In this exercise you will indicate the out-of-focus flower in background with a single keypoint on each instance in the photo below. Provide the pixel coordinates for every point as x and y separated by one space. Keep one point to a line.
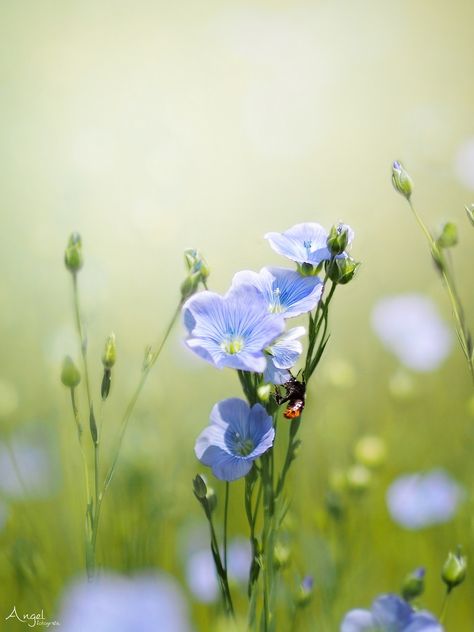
420 500
201 572
114 603
236 436
390 613
26 470
410 326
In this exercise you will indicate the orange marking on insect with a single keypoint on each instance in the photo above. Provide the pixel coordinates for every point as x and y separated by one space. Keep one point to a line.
294 409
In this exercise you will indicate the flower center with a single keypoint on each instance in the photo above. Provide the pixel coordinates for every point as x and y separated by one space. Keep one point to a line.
307 244
243 447
232 345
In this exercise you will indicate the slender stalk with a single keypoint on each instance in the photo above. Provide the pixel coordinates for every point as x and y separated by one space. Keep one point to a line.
131 406
82 339
456 304
444 607
226 512
75 411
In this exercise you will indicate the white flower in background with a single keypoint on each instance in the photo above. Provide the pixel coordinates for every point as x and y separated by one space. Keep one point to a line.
410 326
420 500
114 603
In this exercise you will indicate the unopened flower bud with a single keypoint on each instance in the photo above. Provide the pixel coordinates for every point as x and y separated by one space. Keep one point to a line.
110 352
401 180
195 263
342 271
358 478
93 427
264 392
307 269
211 499
305 592
70 375
73 254
370 451
334 504
413 584
449 236
337 239
199 487
470 213
454 569
281 556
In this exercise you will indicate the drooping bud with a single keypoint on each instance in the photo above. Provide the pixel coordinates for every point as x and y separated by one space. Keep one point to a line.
413 584
454 569
341 271
264 392
70 375
449 236
401 180
338 239
73 254
470 213
370 451
305 592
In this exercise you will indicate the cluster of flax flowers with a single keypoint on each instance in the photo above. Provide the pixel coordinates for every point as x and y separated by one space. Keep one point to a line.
246 330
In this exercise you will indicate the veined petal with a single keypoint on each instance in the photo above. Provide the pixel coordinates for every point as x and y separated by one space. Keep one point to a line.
287 349
301 243
392 613
293 293
423 622
272 375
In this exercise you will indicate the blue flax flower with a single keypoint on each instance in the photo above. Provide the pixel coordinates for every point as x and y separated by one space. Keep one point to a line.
231 330
305 243
286 291
390 613
282 355
236 436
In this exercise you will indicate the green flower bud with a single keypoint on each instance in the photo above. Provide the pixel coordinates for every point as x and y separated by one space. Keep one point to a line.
70 375
305 592
199 487
93 427
413 584
454 569
307 269
281 556
73 254
342 271
195 263
359 478
264 392
401 180
110 352
189 286
335 504
370 451
470 213
337 239
211 499
449 236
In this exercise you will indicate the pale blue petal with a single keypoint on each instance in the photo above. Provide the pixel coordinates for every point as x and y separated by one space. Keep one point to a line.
358 621
424 622
287 349
272 375
292 293
391 613
303 243
231 468
232 412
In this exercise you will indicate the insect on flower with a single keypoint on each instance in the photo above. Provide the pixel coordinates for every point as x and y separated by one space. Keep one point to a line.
295 394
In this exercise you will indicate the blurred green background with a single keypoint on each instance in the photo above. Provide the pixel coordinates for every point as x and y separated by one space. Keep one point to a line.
150 127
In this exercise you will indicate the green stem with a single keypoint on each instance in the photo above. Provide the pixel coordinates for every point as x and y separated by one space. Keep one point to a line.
226 512
444 607
75 411
82 340
131 406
